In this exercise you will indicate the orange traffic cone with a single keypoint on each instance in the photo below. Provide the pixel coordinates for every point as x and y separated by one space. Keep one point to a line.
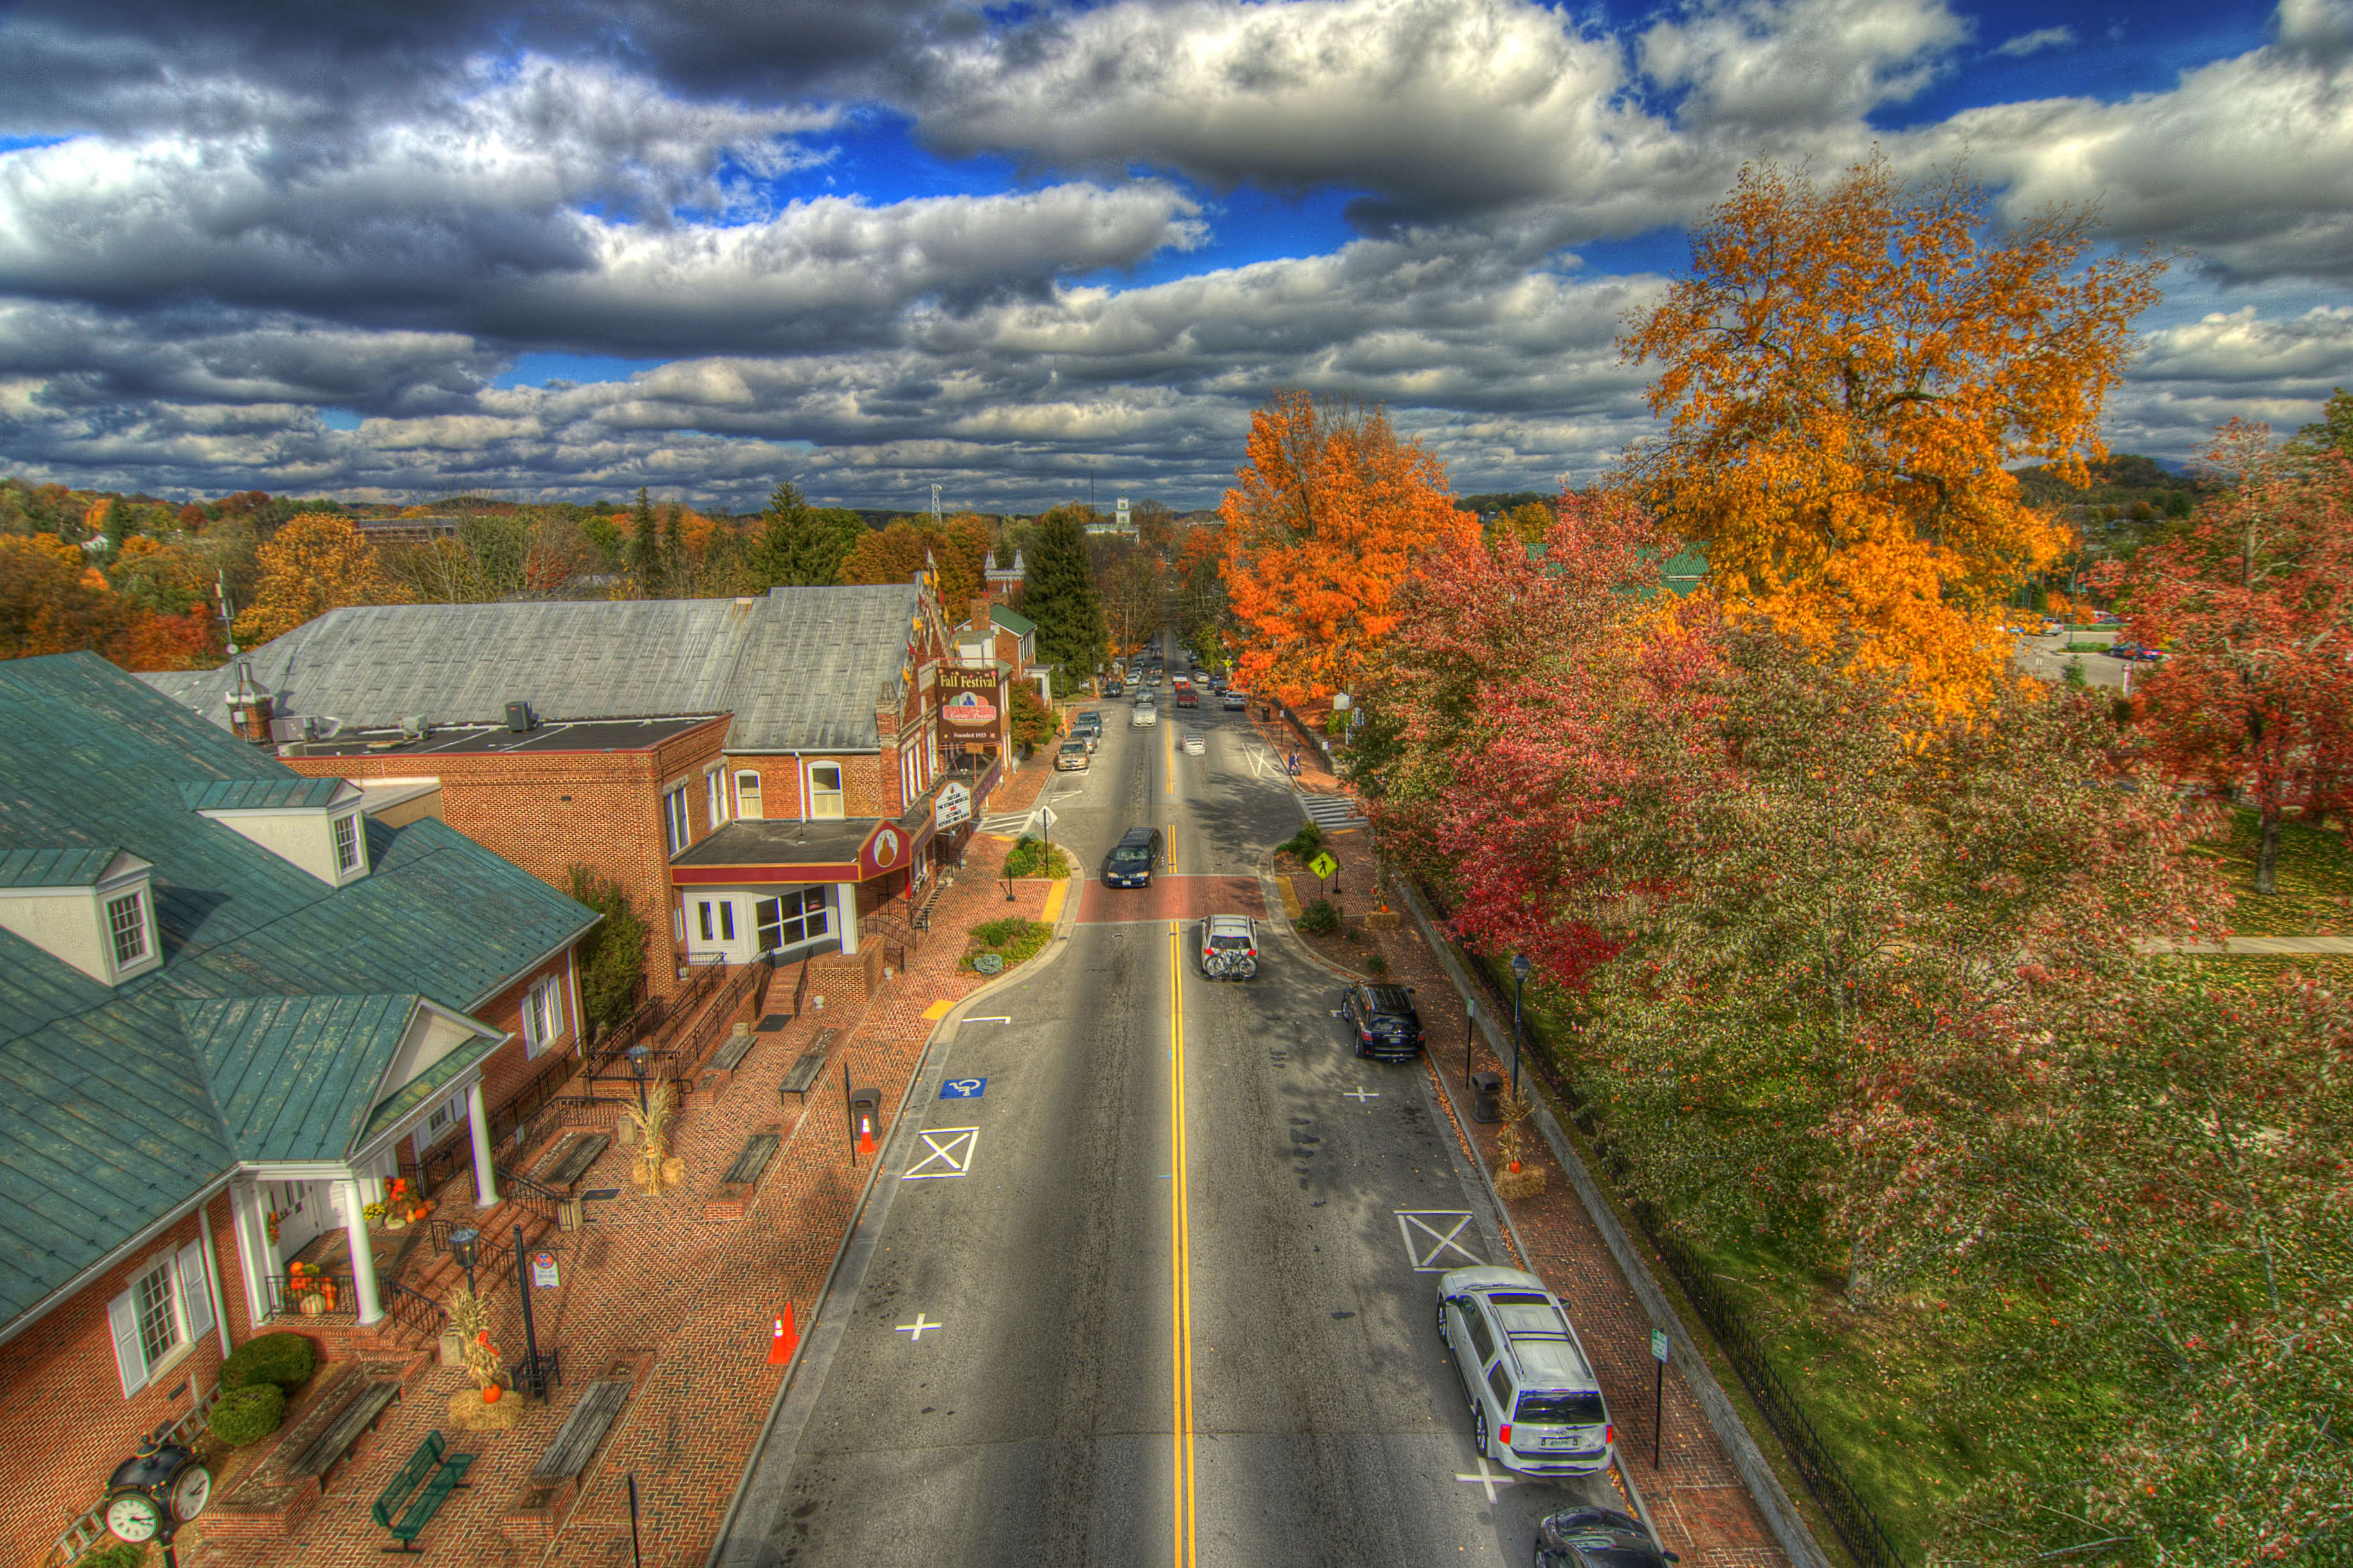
865 1136
787 1339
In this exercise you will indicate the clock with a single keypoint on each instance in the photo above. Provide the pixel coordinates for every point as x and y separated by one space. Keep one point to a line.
190 1490
133 1516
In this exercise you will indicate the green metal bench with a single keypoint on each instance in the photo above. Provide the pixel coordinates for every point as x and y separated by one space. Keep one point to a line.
432 1473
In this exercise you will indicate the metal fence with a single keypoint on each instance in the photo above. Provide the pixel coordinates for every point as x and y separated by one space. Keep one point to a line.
1859 1528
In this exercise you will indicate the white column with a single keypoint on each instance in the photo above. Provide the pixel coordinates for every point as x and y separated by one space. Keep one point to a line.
363 1288
252 1241
845 912
477 1122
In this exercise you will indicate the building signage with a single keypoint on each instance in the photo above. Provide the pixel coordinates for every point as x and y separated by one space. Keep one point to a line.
952 807
884 849
544 1276
969 710
969 681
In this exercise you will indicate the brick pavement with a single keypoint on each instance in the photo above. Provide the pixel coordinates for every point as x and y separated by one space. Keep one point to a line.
652 1276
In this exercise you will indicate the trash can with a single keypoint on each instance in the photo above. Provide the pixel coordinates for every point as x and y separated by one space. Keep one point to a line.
865 1114
1486 1097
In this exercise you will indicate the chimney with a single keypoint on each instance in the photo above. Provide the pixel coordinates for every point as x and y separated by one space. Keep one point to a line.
980 614
249 709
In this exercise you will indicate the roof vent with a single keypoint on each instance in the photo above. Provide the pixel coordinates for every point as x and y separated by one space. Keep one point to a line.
413 727
520 718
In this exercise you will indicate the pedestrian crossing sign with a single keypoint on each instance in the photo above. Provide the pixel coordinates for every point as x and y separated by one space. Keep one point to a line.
1323 866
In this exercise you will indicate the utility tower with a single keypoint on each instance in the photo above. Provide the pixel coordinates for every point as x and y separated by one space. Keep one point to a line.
935 506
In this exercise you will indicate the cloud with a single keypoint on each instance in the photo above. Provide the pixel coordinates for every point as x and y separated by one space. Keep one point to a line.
1780 64
2035 42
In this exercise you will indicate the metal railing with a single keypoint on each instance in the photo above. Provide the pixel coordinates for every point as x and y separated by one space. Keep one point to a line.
565 1110
290 1294
532 1196
426 1175
720 1016
412 1311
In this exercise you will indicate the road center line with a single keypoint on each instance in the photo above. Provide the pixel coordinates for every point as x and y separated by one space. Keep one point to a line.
1181 1245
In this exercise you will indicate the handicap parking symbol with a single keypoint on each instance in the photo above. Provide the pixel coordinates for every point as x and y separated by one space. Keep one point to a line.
964 1089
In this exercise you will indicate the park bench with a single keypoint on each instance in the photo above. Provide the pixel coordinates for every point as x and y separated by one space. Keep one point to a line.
713 1080
803 1077
575 1162
732 1198
582 1432
355 1421
431 1474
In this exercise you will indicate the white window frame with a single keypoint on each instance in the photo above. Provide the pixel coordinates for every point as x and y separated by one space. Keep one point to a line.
837 796
678 817
753 813
188 1314
714 787
142 929
723 929
346 831
542 1015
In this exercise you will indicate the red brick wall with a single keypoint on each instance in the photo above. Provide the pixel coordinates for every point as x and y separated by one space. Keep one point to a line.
509 1068
869 782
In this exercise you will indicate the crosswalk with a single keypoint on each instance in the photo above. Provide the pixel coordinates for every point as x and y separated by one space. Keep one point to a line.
1011 824
1333 813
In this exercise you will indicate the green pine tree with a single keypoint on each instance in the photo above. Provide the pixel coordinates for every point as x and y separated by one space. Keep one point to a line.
613 954
645 552
803 546
1059 596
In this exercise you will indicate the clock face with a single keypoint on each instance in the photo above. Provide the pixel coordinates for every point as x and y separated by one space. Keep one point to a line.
132 1517
190 1492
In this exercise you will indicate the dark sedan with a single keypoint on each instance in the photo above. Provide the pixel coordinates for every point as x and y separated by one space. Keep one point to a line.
1598 1538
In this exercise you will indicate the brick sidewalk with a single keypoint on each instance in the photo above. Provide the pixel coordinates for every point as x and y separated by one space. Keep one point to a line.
652 1277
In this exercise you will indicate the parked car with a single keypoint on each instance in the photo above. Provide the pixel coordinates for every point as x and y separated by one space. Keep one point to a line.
1229 947
1114 688
1144 714
1236 702
1383 1018
1073 757
1536 1405
1133 859
1194 743
1598 1538
1088 727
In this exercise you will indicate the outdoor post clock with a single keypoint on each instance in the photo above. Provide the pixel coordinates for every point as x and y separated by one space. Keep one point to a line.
160 1488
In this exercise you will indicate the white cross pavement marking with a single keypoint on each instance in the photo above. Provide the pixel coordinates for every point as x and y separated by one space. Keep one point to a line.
1487 1479
948 1153
1360 1096
1434 1243
914 1332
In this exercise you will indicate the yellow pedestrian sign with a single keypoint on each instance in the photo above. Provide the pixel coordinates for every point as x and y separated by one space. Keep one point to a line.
1322 865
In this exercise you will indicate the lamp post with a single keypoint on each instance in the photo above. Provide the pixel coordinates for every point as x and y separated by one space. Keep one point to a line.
461 1247
639 1056
1520 967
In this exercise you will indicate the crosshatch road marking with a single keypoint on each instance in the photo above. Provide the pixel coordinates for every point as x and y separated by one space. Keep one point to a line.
1488 1479
1429 1236
950 1154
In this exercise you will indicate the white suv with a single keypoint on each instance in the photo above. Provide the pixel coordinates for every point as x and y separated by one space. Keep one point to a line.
1141 715
1535 1406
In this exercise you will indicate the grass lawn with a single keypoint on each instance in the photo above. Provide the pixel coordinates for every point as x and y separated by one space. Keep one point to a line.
2315 880
1014 939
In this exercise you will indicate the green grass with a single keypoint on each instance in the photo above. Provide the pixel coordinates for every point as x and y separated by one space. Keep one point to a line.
1014 938
2315 880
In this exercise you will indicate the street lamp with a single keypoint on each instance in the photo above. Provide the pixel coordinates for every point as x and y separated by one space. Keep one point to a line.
639 1056
159 1489
1520 967
461 1247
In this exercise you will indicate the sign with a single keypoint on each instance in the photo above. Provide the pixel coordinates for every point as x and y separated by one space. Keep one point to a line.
969 681
1323 866
884 850
1659 1344
543 1270
964 1089
952 806
969 710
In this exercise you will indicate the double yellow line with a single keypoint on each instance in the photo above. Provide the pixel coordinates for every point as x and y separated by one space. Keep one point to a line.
1180 1253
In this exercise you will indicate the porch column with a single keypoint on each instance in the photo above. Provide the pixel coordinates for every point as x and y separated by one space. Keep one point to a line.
477 1122
364 1286
845 909
251 1237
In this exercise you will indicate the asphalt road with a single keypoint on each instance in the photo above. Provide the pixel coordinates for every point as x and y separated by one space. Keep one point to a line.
1221 1355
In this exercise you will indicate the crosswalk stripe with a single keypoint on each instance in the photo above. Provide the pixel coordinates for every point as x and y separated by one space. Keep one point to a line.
1332 813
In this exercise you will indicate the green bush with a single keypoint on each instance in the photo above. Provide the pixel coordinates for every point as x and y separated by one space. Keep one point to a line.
1014 937
115 1555
1377 965
1030 858
248 1414
1321 918
1303 845
283 1359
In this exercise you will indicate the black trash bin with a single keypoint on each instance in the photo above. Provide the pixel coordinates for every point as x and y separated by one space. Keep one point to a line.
865 1115
1486 1097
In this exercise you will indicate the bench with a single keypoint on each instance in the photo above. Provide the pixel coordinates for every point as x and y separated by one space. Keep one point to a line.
582 1431
330 1447
719 1071
803 1077
577 1160
431 1474
732 1198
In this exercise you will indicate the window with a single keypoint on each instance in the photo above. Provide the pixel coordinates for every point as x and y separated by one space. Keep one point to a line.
799 915
676 824
347 842
443 1115
1481 1339
825 789
715 786
1498 1381
542 1017
126 923
724 908
168 1306
747 796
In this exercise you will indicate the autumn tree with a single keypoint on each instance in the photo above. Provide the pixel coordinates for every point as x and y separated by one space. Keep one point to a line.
2331 433
1060 598
1032 724
1130 585
802 546
1328 516
317 561
52 602
2255 602
1845 376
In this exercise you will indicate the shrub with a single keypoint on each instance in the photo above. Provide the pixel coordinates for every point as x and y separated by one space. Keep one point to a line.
1031 857
115 1555
1015 937
1377 965
248 1414
1303 845
284 1360
1321 918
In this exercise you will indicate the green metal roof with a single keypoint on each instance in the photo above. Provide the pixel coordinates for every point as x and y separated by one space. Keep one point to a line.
1013 621
113 1117
79 867
238 795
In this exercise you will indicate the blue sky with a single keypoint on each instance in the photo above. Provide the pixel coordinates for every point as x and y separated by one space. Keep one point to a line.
564 252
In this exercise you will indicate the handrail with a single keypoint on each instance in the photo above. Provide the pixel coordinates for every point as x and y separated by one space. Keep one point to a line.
411 1309
719 1015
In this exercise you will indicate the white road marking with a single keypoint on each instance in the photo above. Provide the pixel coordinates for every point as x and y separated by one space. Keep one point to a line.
916 1329
1487 1479
1434 1243
988 1020
1360 1096
951 1151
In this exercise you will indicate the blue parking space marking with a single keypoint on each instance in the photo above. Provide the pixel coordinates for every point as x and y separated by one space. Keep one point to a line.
964 1089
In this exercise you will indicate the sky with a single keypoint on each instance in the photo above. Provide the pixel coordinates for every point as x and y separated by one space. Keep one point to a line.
396 252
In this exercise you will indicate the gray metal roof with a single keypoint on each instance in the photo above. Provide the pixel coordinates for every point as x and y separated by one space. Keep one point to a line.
230 795
800 668
70 867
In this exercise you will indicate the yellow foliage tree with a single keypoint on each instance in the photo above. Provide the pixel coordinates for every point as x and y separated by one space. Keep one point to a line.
1845 376
316 563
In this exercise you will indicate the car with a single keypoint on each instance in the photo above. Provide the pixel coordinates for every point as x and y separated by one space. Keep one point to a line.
1188 697
1216 683
1598 1538
1383 1018
1133 859
1229 947
1194 743
1073 757
1536 1405
1114 688
1087 727
1141 715
1236 702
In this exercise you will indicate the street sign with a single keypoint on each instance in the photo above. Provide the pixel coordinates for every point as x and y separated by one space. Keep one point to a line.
1046 816
543 1270
1659 1344
964 1089
1323 866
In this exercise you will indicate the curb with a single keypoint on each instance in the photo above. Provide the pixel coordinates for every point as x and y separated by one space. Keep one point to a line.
1748 1461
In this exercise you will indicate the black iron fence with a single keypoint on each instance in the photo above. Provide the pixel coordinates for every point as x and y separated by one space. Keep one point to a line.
412 1311
313 1293
749 983
1859 1528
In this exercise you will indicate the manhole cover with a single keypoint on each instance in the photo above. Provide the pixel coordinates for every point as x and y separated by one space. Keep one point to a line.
988 964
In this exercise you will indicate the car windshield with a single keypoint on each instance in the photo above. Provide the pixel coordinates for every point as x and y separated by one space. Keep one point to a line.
1129 854
1237 943
1572 1408
1074 745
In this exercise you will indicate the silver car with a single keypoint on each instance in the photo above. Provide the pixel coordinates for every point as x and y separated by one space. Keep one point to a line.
1535 1406
1194 743
1142 714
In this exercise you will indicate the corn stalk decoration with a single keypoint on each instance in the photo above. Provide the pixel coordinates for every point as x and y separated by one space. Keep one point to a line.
472 1321
1513 1178
655 1167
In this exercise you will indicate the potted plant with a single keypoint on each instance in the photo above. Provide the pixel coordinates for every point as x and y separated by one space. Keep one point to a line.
371 1213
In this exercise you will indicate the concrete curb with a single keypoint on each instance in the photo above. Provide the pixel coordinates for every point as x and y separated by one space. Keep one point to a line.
1748 1461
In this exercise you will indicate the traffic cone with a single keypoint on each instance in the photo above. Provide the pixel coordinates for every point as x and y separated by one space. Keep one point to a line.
865 1136
787 1339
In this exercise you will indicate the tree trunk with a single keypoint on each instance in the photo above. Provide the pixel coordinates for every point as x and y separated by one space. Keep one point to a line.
2267 851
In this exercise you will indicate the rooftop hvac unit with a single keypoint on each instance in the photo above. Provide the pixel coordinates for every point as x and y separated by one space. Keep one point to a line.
520 718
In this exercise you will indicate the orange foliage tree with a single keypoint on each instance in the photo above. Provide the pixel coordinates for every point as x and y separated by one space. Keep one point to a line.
1844 376
316 563
958 549
1329 516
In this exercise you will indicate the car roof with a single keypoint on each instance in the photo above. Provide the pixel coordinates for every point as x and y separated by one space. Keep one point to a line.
1136 836
1389 999
1230 922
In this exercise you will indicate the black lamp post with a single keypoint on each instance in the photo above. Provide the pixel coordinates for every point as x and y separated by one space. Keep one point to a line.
1520 967
639 1054
461 1247
159 1489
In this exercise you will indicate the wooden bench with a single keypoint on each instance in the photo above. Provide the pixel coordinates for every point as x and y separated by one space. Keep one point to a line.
582 1432
803 1077
732 1198
575 1162
431 1474
713 1080
356 1420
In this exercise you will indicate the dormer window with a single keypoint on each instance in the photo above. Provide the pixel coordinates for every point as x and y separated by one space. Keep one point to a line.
126 928
347 842
88 906
310 823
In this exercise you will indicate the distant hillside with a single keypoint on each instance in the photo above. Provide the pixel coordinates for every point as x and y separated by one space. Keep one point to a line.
1489 503
2130 501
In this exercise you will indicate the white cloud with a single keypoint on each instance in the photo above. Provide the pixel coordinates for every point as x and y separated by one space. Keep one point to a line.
1778 64
2035 42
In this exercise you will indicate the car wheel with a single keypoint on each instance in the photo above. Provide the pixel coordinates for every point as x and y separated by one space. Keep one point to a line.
1441 1327
1478 1432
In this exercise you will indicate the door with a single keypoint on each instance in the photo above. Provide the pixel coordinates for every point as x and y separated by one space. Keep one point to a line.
304 1210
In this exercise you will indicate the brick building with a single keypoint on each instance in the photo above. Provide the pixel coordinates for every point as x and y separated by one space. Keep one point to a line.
232 1004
